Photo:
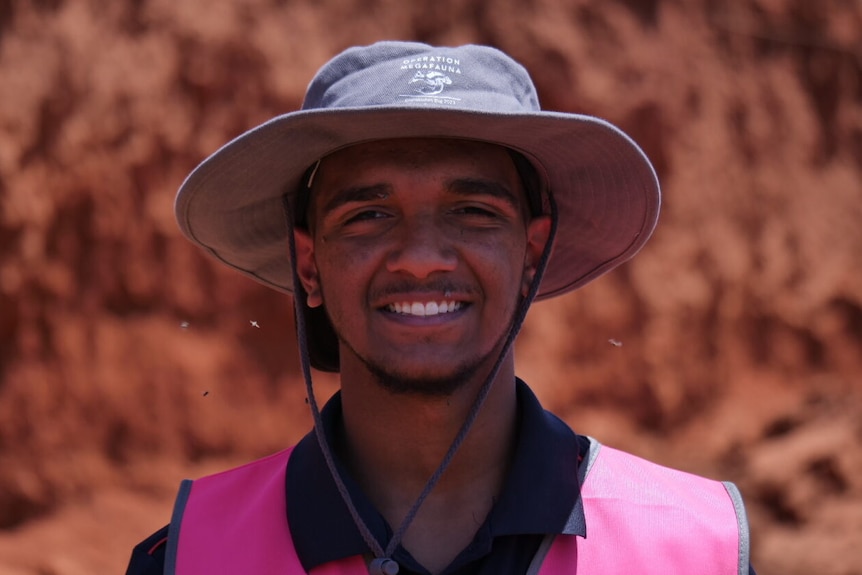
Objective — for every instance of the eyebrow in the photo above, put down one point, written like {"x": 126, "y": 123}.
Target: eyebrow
{"x": 357, "y": 194}
{"x": 477, "y": 186}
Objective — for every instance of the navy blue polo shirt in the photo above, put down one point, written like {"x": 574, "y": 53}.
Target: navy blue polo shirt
{"x": 540, "y": 496}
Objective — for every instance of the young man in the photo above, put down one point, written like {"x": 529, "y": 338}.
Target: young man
{"x": 416, "y": 206}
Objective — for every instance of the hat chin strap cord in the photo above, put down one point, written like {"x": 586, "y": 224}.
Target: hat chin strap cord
{"x": 382, "y": 564}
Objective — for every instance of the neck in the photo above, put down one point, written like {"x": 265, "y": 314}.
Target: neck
{"x": 395, "y": 442}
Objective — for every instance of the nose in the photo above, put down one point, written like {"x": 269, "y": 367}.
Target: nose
{"x": 422, "y": 248}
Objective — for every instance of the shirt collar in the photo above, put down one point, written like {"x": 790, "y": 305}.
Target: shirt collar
{"x": 540, "y": 495}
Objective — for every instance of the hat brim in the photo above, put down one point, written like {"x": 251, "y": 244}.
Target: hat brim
{"x": 605, "y": 189}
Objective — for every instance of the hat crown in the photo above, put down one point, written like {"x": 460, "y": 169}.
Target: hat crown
{"x": 410, "y": 74}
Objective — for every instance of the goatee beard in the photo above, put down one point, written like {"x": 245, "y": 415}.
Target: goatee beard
{"x": 427, "y": 386}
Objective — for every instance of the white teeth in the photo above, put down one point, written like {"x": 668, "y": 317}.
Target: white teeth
{"x": 422, "y": 310}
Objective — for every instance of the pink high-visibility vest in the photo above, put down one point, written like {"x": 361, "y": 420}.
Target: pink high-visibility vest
{"x": 641, "y": 519}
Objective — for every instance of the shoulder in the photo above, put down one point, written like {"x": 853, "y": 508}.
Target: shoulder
{"x": 665, "y": 508}
{"x": 148, "y": 557}
{"x": 611, "y": 471}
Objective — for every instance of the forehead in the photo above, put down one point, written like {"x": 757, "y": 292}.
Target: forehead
{"x": 429, "y": 157}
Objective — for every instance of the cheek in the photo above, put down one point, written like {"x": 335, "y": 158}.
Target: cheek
{"x": 501, "y": 271}
{"x": 344, "y": 262}
{"x": 509, "y": 253}
{"x": 343, "y": 273}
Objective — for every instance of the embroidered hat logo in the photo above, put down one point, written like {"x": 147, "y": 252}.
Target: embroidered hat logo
{"x": 431, "y": 83}
{"x": 433, "y": 74}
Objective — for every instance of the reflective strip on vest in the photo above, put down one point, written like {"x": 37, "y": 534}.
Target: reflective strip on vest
{"x": 641, "y": 518}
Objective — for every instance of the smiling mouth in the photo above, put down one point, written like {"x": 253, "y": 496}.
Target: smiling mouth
{"x": 424, "y": 309}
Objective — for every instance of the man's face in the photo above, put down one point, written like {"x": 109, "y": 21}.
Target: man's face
{"x": 420, "y": 250}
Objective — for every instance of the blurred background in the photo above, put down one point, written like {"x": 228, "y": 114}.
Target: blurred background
{"x": 731, "y": 346}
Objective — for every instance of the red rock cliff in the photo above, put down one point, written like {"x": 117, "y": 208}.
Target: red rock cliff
{"x": 731, "y": 346}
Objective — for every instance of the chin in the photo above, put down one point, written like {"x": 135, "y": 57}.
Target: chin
{"x": 424, "y": 384}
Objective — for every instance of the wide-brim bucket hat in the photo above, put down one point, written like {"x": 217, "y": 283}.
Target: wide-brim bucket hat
{"x": 605, "y": 189}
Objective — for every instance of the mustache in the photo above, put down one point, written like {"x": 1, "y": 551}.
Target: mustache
{"x": 418, "y": 287}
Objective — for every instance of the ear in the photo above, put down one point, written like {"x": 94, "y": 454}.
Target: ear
{"x": 538, "y": 232}
{"x": 306, "y": 267}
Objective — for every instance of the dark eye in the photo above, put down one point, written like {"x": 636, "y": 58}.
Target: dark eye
{"x": 366, "y": 215}
{"x": 476, "y": 211}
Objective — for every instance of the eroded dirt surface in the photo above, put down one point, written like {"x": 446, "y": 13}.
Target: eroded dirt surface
{"x": 732, "y": 346}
